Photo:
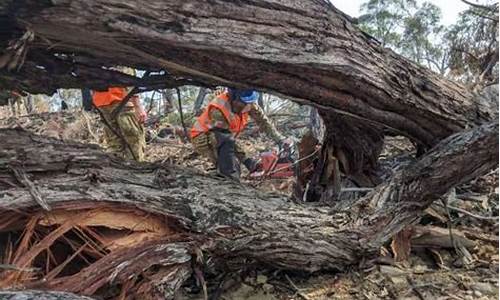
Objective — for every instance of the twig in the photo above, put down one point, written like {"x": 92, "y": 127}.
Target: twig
{"x": 117, "y": 132}
{"x": 151, "y": 102}
{"x": 89, "y": 129}
{"x": 116, "y": 112}
{"x": 22, "y": 177}
{"x": 297, "y": 290}
{"x": 181, "y": 114}
{"x": 359, "y": 189}
{"x": 476, "y": 5}
{"x": 16, "y": 268}
{"x": 415, "y": 289}
{"x": 450, "y": 224}
{"x": 457, "y": 245}
{"x": 468, "y": 213}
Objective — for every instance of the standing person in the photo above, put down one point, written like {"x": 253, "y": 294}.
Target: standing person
{"x": 126, "y": 136}
{"x": 216, "y": 129}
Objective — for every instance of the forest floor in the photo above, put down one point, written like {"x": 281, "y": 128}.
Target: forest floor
{"x": 464, "y": 266}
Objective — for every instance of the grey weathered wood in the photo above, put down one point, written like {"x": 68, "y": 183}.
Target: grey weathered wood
{"x": 39, "y": 295}
{"x": 306, "y": 50}
{"x": 264, "y": 228}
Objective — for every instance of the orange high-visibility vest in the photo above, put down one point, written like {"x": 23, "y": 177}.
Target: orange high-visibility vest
{"x": 237, "y": 122}
{"x": 113, "y": 94}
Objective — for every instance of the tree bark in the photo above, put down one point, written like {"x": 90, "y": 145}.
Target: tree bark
{"x": 260, "y": 101}
{"x": 317, "y": 125}
{"x": 189, "y": 213}
{"x": 34, "y": 295}
{"x": 307, "y": 50}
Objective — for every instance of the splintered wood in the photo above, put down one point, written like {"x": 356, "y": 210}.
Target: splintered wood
{"x": 48, "y": 248}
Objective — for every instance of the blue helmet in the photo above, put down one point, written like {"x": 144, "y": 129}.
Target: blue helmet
{"x": 245, "y": 96}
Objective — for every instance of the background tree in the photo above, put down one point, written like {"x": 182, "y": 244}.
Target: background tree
{"x": 383, "y": 19}
{"x": 473, "y": 41}
{"x": 466, "y": 51}
{"x": 421, "y": 38}
{"x": 410, "y": 29}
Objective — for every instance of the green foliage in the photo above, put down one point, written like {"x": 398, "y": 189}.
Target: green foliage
{"x": 467, "y": 51}
{"x": 410, "y": 29}
{"x": 384, "y": 19}
{"x": 419, "y": 28}
{"x": 473, "y": 41}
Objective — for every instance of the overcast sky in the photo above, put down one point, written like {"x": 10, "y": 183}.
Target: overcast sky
{"x": 449, "y": 8}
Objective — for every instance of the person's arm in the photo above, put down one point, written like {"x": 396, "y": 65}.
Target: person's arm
{"x": 265, "y": 124}
{"x": 141, "y": 115}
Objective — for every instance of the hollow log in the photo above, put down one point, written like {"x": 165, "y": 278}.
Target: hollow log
{"x": 146, "y": 228}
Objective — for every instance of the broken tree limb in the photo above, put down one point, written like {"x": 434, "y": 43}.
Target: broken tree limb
{"x": 22, "y": 178}
{"x": 232, "y": 225}
{"x": 270, "y": 46}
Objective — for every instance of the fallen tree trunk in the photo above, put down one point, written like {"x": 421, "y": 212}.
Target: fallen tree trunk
{"x": 307, "y": 50}
{"x": 144, "y": 227}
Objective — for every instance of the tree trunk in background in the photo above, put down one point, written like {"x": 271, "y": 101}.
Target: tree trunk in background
{"x": 182, "y": 213}
{"x": 28, "y": 103}
{"x": 168, "y": 95}
{"x": 86, "y": 99}
{"x": 198, "y": 103}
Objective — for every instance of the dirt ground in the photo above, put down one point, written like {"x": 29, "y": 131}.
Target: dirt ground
{"x": 439, "y": 267}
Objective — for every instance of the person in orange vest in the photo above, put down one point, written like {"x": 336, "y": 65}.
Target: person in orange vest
{"x": 126, "y": 137}
{"x": 215, "y": 131}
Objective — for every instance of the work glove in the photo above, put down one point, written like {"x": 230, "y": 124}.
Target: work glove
{"x": 251, "y": 164}
{"x": 286, "y": 144}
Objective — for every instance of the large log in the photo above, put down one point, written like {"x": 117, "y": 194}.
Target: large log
{"x": 307, "y": 50}
{"x": 158, "y": 219}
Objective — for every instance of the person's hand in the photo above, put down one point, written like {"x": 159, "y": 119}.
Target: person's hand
{"x": 252, "y": 165}
{"x": 141, "y": 115}
{"x": 287, "y": 144}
